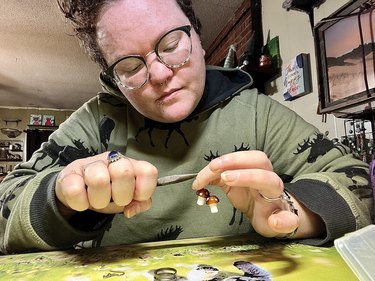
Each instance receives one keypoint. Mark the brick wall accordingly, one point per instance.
(238, 31)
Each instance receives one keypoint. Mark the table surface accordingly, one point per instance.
(262, 259)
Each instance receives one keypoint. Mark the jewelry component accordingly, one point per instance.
(212, 201)
(203, 194)
(113, 156)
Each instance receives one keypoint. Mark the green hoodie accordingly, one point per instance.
(322, 175)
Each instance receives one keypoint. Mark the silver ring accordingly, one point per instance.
(287, 204)
(289, 235)
(165, 273)
(271, 200)
(113, 156)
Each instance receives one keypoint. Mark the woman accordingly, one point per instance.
(164, 113)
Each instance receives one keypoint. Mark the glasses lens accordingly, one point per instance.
(131, 71)
(174, 48)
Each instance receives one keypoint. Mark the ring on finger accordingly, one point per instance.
(271, 200)
(289, 235)
(284, 198)
(113, 156)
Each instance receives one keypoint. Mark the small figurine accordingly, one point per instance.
(212, 201)
(265, 61)
(203, 194)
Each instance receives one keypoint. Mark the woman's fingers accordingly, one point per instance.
(106, 186)
(122, 177)
(146, 179)
(250, 184)
(71, 191)
(241, 160)
(98, 184)
(265, 182)
(136, 207)
(283, 223)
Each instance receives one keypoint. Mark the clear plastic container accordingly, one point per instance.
(358, 250)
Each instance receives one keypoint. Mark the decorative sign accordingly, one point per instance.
(297, 77)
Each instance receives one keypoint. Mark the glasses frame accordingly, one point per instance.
(109, 72)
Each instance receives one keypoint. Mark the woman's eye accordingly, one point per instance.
(170, 46)
(129, 70)
(135, 68)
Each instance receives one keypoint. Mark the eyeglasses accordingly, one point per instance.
(173, 50)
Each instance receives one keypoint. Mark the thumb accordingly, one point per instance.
(283, 222)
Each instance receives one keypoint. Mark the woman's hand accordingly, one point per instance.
(246, 175)
(123, 186)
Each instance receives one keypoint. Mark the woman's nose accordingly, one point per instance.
(159, 72)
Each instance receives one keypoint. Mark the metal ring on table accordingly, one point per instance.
(165, 274)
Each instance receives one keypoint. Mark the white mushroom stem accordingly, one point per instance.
(201, 200)
(213, 208)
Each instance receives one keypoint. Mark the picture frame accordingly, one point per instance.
(35, 119)
(296, 76)
(48, 120)
(345, 60)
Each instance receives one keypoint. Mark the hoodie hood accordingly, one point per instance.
(221, 84)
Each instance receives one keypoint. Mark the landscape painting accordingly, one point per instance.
(345, 48)
(345, 53)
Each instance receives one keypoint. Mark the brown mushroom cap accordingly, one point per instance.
(203, 193)
(212, 200)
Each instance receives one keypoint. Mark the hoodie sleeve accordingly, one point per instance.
(321, 174)
(29, 218)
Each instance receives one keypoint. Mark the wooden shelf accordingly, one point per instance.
(43, 127)
(11, 120)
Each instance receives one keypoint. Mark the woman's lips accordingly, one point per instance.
(168, 95)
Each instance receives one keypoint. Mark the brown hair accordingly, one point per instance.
(83, 15)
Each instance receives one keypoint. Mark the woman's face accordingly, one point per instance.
(133, 28)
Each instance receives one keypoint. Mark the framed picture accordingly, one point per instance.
(35, 119)
(297, 77)
(344, 44)
(48, 120)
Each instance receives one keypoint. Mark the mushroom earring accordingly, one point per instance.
(212, 201)
(203, 194)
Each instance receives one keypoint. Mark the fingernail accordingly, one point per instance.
(230, 176)
(130, 213)
(277, 223)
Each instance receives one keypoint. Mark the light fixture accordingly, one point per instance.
(11, 132)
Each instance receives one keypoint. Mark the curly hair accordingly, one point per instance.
(83, 15)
